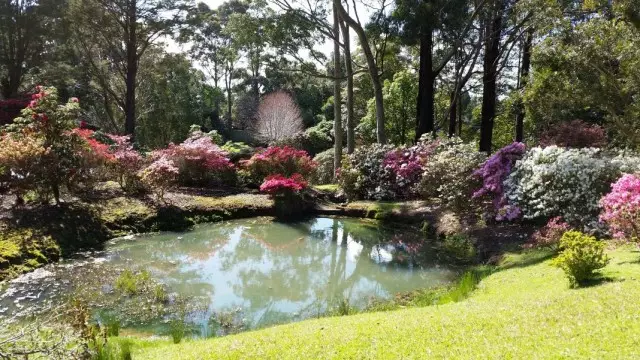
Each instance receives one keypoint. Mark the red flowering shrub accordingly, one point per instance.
(550, 235)
(200, 161)
(574, 134)
(285, 161)
(278, 185)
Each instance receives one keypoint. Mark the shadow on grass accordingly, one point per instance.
(597, 281)
(525, 258)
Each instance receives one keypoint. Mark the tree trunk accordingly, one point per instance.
(132, 70)
(337, 100)
(372, 67)
(351, 121)
(426, 91)
(524, 79)
(490, 77)
(453, 112)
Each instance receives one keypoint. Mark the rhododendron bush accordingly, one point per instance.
(564, 182)
(280, 185)
(493, 173)
(127, 163)
(549, 235)
(277, 160)
(574, 134)
(448, 174)
(200, 161)
(621, 208)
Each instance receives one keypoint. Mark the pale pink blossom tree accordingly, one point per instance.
(278, 117)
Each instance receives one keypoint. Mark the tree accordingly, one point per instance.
(116, 34)
(337, 91)
(278, 117)
(29, 31)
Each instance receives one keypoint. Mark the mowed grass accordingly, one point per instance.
(524, 311)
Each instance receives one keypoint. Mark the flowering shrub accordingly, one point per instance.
(493, 173)
(364, 176)
(581, 256)
(200, 161)
(574, 134)
(448, 173)
(160, 176)
(276, 160)
(324, 173)
(550, 235)
(563, 182)
(127, 163)
(279, 185)
(196, 131)
(21, 158)
(621, 208)
(45, 129)
(406, 166)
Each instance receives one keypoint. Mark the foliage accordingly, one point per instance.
(196, 131)
(574, 134)
(160, 176)
(448, 174)
(581, 256)
(324, 173)
(237, 151)
(621, 208)
(200, 162)
(276, 160)
(21, 158)
(563, 182)
(458, 248)
(127, 165)
(549, 236)
(313, 140)
(493, 173)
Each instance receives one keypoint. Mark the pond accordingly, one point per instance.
(263, 272)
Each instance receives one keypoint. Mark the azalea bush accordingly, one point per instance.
(549, 235)
(276, 160)
(200, 161)
(553, 181)
(127, 163)
(405, 166)
(582, 255)
(160, 176)
(493, 173)
(574, 134)
(287, 193)
(448, 174)
(21, 161)
(621, 208)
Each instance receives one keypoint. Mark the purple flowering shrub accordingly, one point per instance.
(493, 173)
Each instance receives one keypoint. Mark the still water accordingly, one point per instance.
(265, 271)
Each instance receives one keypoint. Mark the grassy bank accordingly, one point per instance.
(524, 310)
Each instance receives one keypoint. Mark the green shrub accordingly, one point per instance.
(324, 173)
(238, 151)
(581, 256)
(458, 248)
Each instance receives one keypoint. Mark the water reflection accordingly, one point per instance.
(274, 272)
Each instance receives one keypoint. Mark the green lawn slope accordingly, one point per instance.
(524, 311)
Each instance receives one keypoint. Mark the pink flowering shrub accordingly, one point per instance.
(200, 161)
(275, 160)
(406, 166)
(127, 163)
(621, 208)
(160, 176)
(493, 173)
(574, 134)
(549, 236)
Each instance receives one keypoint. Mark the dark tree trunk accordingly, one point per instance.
(11, 84)
(524, 78)
(459, 115)
(490, 77)
(351, 118)
(132, 71)
(426, 88)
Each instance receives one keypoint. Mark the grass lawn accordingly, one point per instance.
(524, 311)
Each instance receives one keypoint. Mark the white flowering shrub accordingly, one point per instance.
(448, 174)
(555, 181)
(364, 176)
